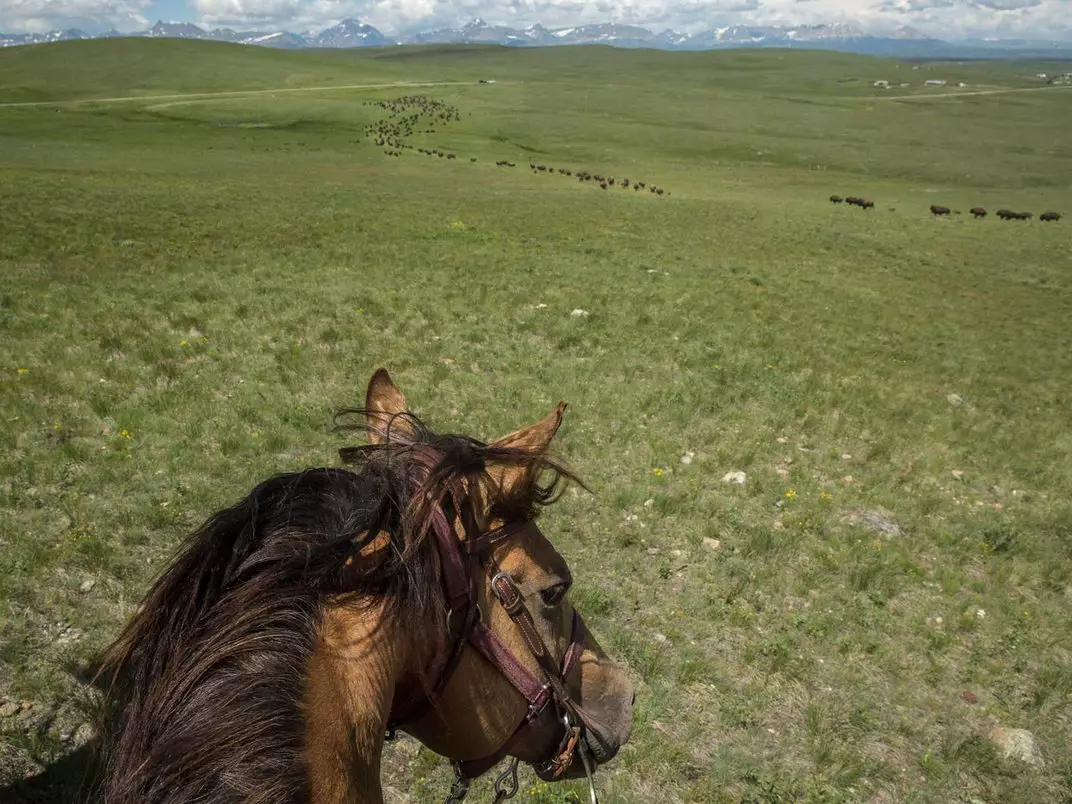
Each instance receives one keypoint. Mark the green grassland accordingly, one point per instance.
(191, 286)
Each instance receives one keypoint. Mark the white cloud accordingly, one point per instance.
(948, 19)
(38, 16)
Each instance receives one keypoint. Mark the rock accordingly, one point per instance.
(660, 638)
(783, 440)
(958, 473)
(846, 456)
(848, 480)
(686, 459)
(653, 551)
(877, 519)
(677, 553)
(735, 478)
(8, 709)
(87, 585)
(579, 313)
(954, 399)
(969, 697)
(83, 734)
(1017, 744)
(713, 544)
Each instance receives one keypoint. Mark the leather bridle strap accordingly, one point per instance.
(459, 561)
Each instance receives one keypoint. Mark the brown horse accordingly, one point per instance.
(299, 628)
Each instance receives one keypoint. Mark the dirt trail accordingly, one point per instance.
(963, 94)
(237, 93)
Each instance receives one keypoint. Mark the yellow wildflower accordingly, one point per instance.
(658, 471)
(124, 433)
(22, 371)
(791, 494)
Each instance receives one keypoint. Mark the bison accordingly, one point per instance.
(938, 211)
(1050, 216)
(977, 212)
(836, 199)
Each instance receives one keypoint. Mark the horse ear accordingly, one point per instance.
(535, 437)
(384, 406)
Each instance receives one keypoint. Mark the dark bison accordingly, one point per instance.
(865, 204)
(836, 199)
(937, 210)
(978, 212)
(1050, 216)
(1005, 214)
(1023, 216)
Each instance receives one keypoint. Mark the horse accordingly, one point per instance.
(409, 589)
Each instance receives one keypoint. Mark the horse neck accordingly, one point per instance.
(356, 665)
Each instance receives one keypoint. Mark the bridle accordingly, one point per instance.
(462, 563)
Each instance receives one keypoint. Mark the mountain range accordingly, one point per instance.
(350, 33)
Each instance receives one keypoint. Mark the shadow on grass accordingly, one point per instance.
(68, 780)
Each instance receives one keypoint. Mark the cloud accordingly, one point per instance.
(38, 16)
(947, 19)
(1007, 5)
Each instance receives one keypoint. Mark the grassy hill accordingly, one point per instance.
(192, 286)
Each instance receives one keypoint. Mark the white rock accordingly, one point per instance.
(649, 503)
(958, 473)
(954, 399)
(1017, 744)
(735, 478)
(660, 638)
(687, 458)
(714, 544)
(579, 313)
(87, 585)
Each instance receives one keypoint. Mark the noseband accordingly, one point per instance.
(462, 562)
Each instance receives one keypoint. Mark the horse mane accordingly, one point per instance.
(207, 679)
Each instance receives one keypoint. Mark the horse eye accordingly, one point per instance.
(553, 595)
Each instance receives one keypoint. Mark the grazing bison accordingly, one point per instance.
(865, 204)
(978, 212)
(937, 210)
(836, 199)
(1006, 214)
(1024, 216)
(1050, 216)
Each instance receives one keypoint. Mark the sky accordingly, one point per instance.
(945, 19)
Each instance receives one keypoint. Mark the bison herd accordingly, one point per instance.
(604, 182)
(407, 115)
(939, 211)
(862, 203)
(1005, 214)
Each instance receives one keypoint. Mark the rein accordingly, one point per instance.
(462, 563)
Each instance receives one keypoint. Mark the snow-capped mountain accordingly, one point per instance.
(844, 36)
(176, 30)
(11, 40)
(349, 33)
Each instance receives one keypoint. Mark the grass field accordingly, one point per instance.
(192, 286)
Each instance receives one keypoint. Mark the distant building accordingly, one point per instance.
(961, 84)
(1041, 75)
(935, 82)
(882, 84)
